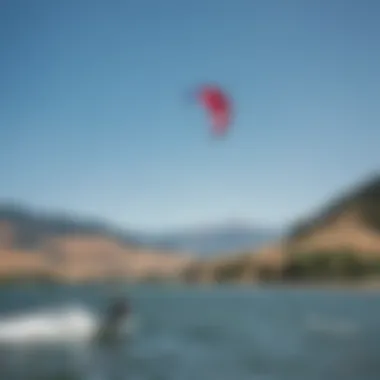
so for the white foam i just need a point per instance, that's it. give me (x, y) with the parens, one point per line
(70, 324)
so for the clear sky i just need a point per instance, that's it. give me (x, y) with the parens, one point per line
(96, 118)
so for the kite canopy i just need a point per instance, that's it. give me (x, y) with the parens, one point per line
(218, 107)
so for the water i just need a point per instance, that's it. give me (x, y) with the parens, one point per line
(208, 334)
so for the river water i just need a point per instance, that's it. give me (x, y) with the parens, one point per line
(220, 333)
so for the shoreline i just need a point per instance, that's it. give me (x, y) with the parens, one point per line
(365, 285)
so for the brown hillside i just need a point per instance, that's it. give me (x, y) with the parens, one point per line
(361, 203)
(347, 232)
(75, 256)
(350, 222)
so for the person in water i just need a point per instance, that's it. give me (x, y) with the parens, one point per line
(116, 314)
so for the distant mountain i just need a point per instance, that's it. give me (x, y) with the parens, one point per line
(216, 240)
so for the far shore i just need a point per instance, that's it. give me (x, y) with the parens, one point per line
(366, 284)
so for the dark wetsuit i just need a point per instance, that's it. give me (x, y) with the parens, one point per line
(116, 314)
(118, 309)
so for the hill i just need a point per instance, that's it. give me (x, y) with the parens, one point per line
(67, 248)
(350, 221)
(32, 228)
(340, 242)
(363, 202)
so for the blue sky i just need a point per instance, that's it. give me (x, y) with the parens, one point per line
(95, 115)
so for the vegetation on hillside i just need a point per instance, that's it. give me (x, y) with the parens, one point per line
(303, 267)
(330, 265)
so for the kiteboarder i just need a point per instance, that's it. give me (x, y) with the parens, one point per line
(115, 317)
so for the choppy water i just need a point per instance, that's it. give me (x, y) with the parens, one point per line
(210, 334)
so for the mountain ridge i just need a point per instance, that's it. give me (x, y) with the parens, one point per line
(33, 226)
(217, 239)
